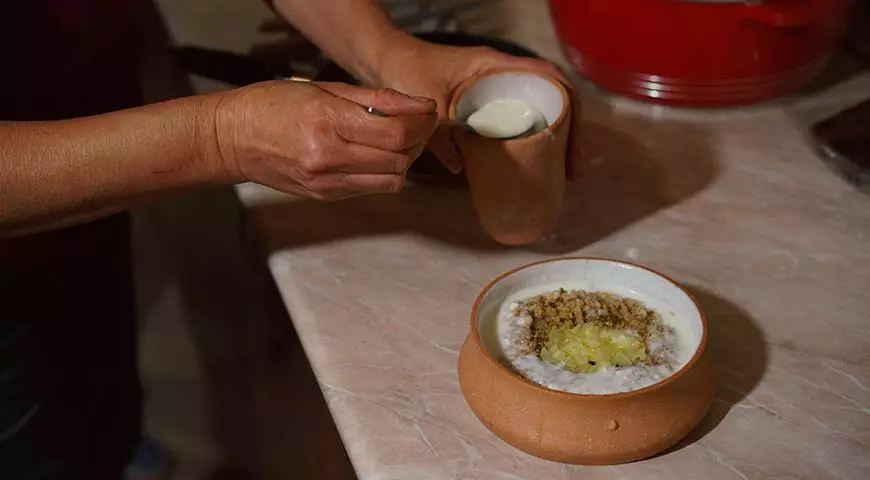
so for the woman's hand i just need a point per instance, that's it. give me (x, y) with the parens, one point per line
(434, 71)
(317, 139)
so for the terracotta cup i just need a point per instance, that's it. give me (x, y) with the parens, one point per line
(517, 184)
(587, 429)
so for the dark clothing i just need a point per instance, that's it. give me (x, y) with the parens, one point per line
(65, 49)
(69, 395)
(70, 399)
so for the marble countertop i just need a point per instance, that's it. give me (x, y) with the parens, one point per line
(734, 205)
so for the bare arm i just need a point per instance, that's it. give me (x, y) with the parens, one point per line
(57, 173)
(355, 33)
(360, 36)
(314, 140)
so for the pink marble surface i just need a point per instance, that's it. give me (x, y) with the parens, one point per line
(733, 205)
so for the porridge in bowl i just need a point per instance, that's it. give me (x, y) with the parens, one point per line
(553, 345)
(590, 342)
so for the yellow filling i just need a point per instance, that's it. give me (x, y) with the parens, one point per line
(588, 348)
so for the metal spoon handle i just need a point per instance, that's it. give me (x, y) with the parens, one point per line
(456, 123)
(450, 123)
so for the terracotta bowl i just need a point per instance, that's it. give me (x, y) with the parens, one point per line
(517, 184)
(587, 429)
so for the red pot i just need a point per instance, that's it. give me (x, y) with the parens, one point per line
(700, 52)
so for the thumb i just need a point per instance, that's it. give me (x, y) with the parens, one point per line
(385, 100)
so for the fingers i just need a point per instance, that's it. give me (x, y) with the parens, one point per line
(368, 183)
(302, 150)
(407, 122)
(443, 146)
(386, 100)
(356, 170)
(394, 133)
(354, 159)
(339, 186)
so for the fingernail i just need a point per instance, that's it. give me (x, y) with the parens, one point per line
(426, 101)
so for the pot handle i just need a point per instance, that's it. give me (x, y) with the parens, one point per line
(787, 13)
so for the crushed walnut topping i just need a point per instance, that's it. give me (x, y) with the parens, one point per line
(567, 309)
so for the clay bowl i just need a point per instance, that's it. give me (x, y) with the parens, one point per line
(518, 184)
(587, 429)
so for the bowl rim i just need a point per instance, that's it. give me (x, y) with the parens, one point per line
(475, 334)
(467, 84)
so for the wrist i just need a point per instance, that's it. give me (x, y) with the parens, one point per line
(215, 138)
(385, 55)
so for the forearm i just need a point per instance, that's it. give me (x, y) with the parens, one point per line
(57, 173)
(354, 33)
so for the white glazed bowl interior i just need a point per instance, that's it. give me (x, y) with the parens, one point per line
(592, 274)
(526, 87)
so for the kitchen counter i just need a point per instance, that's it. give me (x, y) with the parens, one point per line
(734, 205)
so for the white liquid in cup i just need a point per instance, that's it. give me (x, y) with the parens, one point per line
(506, 118)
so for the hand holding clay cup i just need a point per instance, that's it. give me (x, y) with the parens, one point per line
(517, 183)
